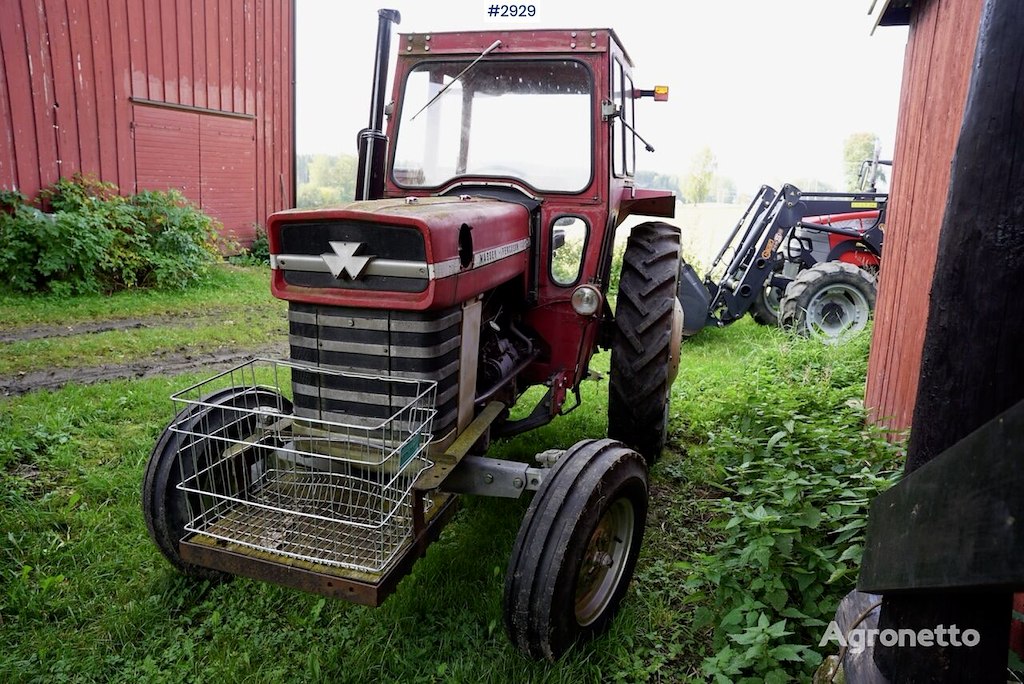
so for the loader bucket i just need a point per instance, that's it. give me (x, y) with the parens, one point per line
(694, 298)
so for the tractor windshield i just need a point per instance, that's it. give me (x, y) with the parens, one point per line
(529, 120)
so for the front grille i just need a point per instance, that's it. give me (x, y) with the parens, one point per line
(400, 344)
(394, 243)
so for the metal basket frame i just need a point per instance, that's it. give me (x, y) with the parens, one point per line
(323, 491)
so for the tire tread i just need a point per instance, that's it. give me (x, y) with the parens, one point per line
(538, 555)
(639, 377)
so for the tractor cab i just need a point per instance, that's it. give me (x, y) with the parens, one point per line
(544, 118)
(550, 112)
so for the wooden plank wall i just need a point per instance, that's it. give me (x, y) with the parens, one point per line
(69, 70)
(936, 74)
(167, 150)
(226, 173)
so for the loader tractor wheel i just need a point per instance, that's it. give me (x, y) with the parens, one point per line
(177, 454)
(830, 301)
(765, 308)
(645, 348)
(577, 547)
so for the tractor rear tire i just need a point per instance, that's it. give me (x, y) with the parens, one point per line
(644, 348)
(164, 506)
(577, 548)
(830, 301)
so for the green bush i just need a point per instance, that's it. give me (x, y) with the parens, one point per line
(260, 247)
(90, 239)
(257, 254)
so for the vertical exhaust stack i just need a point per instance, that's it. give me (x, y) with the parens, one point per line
(372, 142)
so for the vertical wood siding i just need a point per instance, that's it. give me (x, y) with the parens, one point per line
(167, 146)
(70, 71)
(936, 74)
(228, 172)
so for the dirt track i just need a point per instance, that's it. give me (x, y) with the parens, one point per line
(169, 362)
(188, 320)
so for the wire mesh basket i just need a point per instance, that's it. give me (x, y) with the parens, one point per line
(331, 492)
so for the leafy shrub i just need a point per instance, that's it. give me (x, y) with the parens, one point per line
(260, 247)
(566, 260)
(90, 239)
(798, 468)
(258, 252)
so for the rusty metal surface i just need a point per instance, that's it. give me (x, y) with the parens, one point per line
(432, 477)
(493, 477)
(473, 42)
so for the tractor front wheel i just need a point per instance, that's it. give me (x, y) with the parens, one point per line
(830, 301)
(766, 305)
(577, 548)
(165, 507)
(645, 348)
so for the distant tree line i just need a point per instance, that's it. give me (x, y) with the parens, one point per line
(701, 184)
(325, 179)
(857, 149)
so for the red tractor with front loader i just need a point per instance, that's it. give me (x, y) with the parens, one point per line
(473, 265)
(805, 260)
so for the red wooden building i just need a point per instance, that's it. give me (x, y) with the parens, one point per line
(152, 94)
(936, 73)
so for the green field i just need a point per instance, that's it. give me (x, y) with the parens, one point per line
(756, 514)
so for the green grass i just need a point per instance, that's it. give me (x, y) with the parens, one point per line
(85, 596)
(228, 288)
(233, 310)
(235, 330)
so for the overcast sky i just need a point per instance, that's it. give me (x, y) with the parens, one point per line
(772, 87)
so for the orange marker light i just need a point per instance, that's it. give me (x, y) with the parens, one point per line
(661, 93)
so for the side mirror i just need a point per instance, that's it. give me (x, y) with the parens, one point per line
(558, 238)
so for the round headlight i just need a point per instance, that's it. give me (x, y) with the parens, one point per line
(586, 300)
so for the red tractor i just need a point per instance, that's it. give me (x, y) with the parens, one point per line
(833, 261)
(830, 301)
(473, 266)
(805, 260)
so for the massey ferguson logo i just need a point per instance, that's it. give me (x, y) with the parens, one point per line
(345, 261)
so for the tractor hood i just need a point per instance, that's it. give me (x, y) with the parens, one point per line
(410, 253)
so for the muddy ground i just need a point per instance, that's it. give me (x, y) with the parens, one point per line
(168, 362)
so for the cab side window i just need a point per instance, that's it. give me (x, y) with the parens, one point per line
(568, 244)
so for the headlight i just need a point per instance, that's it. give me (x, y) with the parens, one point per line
(586, 300)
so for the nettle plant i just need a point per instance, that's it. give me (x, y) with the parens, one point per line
(798, 467)
(87, 238)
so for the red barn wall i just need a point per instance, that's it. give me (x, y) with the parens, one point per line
(936, 74)
(152, 94)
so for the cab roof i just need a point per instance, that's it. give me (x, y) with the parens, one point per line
(522, 41)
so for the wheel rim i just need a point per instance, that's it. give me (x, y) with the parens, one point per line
(773, 300)
(837, 311)
(604, 561)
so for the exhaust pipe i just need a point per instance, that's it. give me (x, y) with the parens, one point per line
(371, 141)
